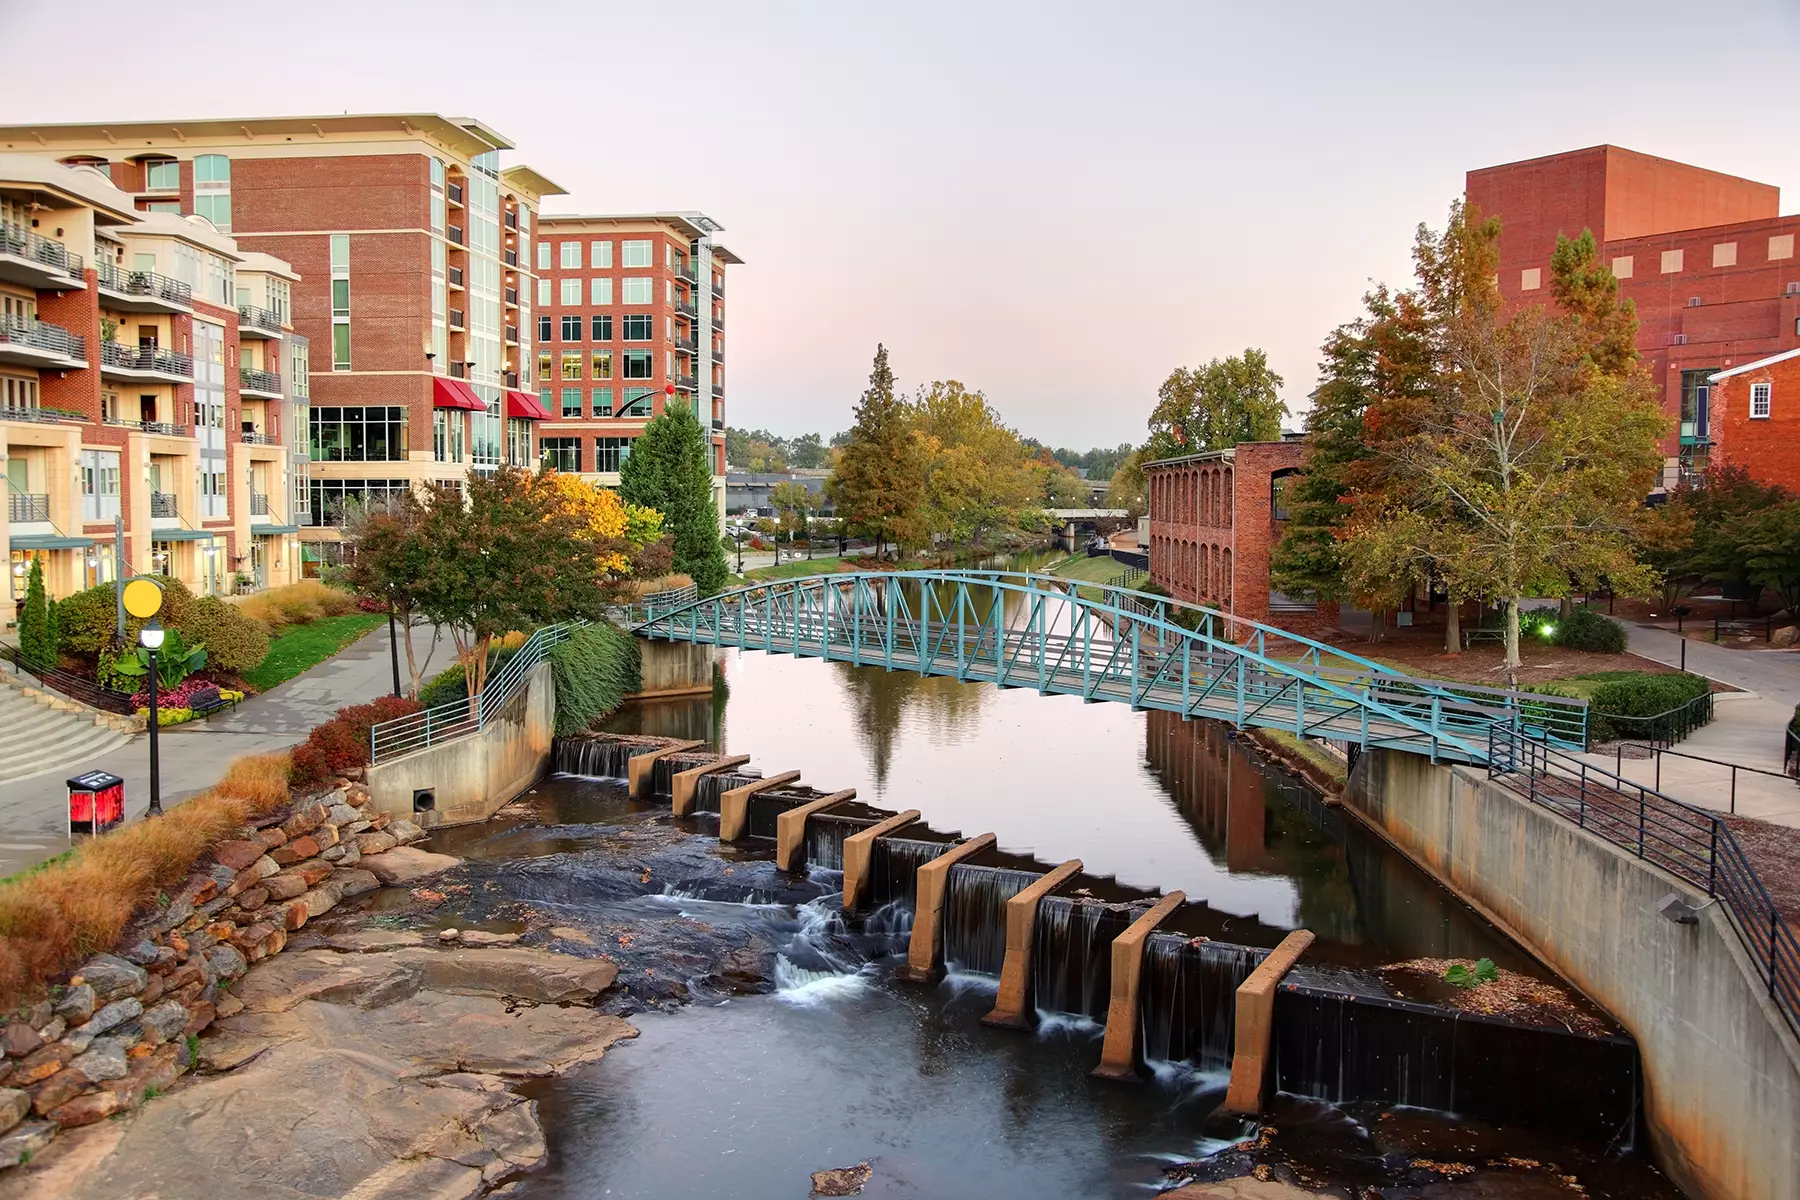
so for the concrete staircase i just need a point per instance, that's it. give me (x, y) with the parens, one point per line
(40, 732)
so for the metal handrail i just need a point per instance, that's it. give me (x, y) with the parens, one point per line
(259, 318)
(16, 239)
(146, 358)
(1656, 753)
(1678, 722)
(259, 381)
(42, 335)
(1691, 843)
(28, 506)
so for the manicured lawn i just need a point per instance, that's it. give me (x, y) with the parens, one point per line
(824, 564)
(1103, 569)
(308, 645)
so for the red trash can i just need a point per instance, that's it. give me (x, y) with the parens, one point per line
(96, 802)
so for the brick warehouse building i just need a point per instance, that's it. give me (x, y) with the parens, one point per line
(1705, 257)
(149, 374)
(1756, 412)
(1214, 518)
(416, 254)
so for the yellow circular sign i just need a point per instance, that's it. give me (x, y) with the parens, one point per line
(143, 599)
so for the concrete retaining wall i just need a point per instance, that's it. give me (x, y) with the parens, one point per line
(1721, 1068)
(674, 669)
(473, 776)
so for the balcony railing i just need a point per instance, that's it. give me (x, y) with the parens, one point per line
(686, 308)
(718, 389)
(15, 239)
(718, 424)
(686, 343)
(718, 287)
(510, 257)
(456, 277)
(718, 354)
(259, 381)
(165, 428)
(456, 318)
(511, 378)
(512, 335)
(162, 504)
(259, 504)
(259, 318)
(459, 370)
(686, 383)
(146, 358)
(512, 219)
(456, 235)
(143, 283)
(41, 335)
(512, 296)
(45, 416)
(685, 271)
(718, 322)
(251, 437)
(455, 193)
(28, 506)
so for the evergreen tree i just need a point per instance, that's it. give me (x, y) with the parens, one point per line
(35, 646)
(879, 484)
(670, 469)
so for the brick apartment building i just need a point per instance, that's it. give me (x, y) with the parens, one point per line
(631, 313)
(150, 374)
(1705, 257)
(1214, 518)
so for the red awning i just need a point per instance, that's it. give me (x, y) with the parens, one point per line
(525, 406)
(454, 393)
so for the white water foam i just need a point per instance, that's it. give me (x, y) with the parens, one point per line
(809, 989)
(1069, 1025)
(961, 983)
(1187, 1081)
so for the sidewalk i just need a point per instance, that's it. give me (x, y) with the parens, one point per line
(34, 813)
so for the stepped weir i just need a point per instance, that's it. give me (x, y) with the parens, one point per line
(1064, 946)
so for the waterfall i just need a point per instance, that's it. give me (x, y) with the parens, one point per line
(1187, 999)
(1071, 955)
(894, 868)
(709, 788)
(664, 770)
(592, 757)
(975, 915)
(825, 836)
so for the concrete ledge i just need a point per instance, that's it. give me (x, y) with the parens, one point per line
(790, 829)
(1015, 971)
(734, 806)
(683, 783)
(858, 847)
(1255, 1022)
(925, 950)
(1118, 1056)
(637, 767)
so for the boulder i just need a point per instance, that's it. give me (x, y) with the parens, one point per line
(238, 855)
(19, 1039)
(298, 850)
(271, 837)
(60, 1088)
(406, 832)
(111, 977)
(85, 1110)
(342, 814)
(404, 864)
(284, 886)
(144, 953)
(111, 1017)
(164, 1023)
(226, 962)
(354, 881)
(255, 873)
(55, 1029)
(1787, 635)
(38, 1067)
(104, 1060)
(313, 871)
(321, 899)
(326, 836)
(14, 1104)
(356, 827)
(202, 1013)
(25, 1141)
(255, 898)
(304, 820)
(375, 843)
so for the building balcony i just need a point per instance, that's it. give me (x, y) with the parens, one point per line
(718, 424)
(259, 504)
(27, 506)
(686, 344)
(259, 383)
(686, 383)
(40, 416)
(163, 504)
(40, 344)
(512, 297)
(456, 319)
(456, 278)
(160, 428)
(510, 257)
(718, 353)
(512, 335)
(684, 271)
(459, 370)
(254, 322)
(251, 437)
(142, 291)
(718, 287)
(511, 379)
(120, 361)
(512, 218)
(454, 194)
(718, 322)
(37, 262)
(686, 309)
(455, 236)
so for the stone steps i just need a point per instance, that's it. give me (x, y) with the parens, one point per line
(35, 738)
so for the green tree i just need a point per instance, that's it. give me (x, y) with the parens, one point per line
(36, 645)
(792, 502)
(807, 451)
(670, 470)
(1770, 543)
(1227, 401)
(978, 479)
(1127, 489)
(879, 483)
(391, 562)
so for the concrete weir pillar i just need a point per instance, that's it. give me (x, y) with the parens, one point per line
(1118, 1055)
(1255, 1022)
(790, 829)
(858, 847)
(1015, 970)
(637, 767)
(734, 806)
(926, 948)
(683, 783)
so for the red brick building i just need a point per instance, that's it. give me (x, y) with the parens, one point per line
(1706, 258)
(1214, 518)
(1756, 416)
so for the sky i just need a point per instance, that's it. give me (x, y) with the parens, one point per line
(1055, 203)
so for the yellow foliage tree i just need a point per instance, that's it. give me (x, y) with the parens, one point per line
(617, 528)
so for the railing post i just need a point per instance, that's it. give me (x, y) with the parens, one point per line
(1734, 788)
(1643, 809)
(1712, 859)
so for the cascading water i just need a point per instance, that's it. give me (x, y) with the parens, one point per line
(975, 915)
(815, 964)
(894, 868)
(592, 757)
(710, 787)
(1071, 956)
(1187, 999)
(825, 836)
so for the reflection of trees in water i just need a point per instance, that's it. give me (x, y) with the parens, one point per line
(693, 718)
(880, 700)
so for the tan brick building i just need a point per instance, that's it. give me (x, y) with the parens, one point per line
(150, 379)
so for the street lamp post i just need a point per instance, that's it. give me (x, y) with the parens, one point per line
(152, 638)
(394, 650)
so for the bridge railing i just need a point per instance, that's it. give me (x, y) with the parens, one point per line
(440, 723)
(1692, 843)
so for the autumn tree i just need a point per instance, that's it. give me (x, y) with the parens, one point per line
(879, 482)
(1127, 488)
(389, 561)
(625, 537)
(978, 478)
(1227, 401)
(792, 502)
(670, 470)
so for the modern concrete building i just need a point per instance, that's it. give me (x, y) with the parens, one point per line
(1706, 258)
(413, 248)
(150, 375)
(630, 317)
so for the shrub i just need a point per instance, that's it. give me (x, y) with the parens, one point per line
(342, 743)
(296, 604)
(35, 644)
(1584, 629)
(233, 641)
(86, 621)
(1636, 694)
(452, 684)
(594, 669)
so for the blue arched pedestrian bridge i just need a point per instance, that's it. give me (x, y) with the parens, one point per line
(1117, 645)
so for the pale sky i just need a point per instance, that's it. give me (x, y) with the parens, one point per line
(1055, 203)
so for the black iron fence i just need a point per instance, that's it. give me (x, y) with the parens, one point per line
(68, 683)
(1661, 729)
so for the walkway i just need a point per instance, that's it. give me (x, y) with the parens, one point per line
(34, 814)
(1746, 729)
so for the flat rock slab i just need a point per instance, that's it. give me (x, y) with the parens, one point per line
(404, 864)
(1246, 1188)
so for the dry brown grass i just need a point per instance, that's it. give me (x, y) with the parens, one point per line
(296, 604)
(53, 916)
(637, 589)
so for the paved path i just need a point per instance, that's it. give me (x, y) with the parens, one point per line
(33, 812)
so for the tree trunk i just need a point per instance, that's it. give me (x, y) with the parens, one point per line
(412, 661)
(1567, 608)
(1453, 626)
(1512, 641)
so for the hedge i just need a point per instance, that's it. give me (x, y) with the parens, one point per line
(1584, 629)
(594, 669)
(1637, 694)
(234, 643)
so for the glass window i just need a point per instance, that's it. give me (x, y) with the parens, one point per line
(571, 402)
(1760, 394)
(571, 255)
(212, 168)
(543, 259)
(602, 328)
(340, 252)
(544, 398)
(634, 254)
(376, 434)
(544, 365)
(571, 327)
(600, 290)
(571, 292)
(638, 365)
(571, 364)
(603, 398)
(599, 254)
(437, 173)
(544, 329)
(560, 453)
(340, 347)
(215, 207)
(603, 364)
(331, 496)
(637, 290)
(611, 452)
(543, 293)
(163, 176)
(170, 206)
(639, 327)
(637, 401)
